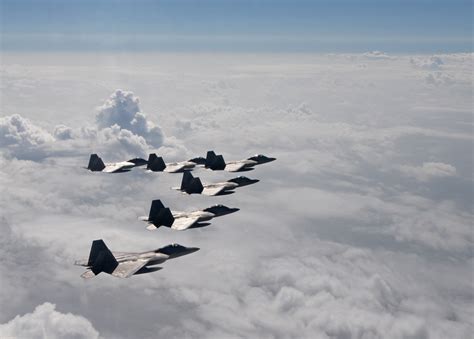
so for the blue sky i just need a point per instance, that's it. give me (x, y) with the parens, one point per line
(233, 26)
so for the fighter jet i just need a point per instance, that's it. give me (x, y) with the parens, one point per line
(176, 220)
(156, 164)
(190, 185)
(216, 162)
(124, 265)
(97, 165)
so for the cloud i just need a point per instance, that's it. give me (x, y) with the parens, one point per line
(16, 130)
(122, 109)
(121, 131)
(361, 228)
(46, 322)
(62, 132)
(429, 171)
(377, 55)
(21, 138)
(431, 63)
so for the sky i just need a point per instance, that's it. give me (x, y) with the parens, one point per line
(237, 26)
(362, 227)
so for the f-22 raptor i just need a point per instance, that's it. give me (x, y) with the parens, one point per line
(177, 220)
(126, 264)
(191, 185)
(157, 164)
(217, 162)
(97, 165)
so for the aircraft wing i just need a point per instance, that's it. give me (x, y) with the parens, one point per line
(128, 268)
(235, 166)
(174, 168)
(112, 168)
(213, 190)
(183, 223)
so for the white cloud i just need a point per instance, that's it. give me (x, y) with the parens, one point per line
(62, 132)
(46, 322)
(122, 109)
(16, 130)
(377, 55)
(431, 63)
(429, 171)
(336, 236)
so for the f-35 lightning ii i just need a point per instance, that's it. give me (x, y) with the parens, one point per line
(216, 162)
(124, 265)
(190, 185)
(157, 164)
(97, 165)
(177, 220)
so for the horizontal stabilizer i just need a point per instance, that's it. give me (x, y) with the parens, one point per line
(88, 274)
(151, 227)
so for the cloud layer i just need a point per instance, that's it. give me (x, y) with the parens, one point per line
(360, 229)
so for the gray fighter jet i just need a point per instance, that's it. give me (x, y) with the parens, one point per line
(97, 165)
(124, 265)
(216, 162)
(190, 185)
(177, 220)
(157, 164)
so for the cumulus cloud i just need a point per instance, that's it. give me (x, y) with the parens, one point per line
(46, 322)
(62, 132)
(429, 171)
(16, 130)
(431, 63)
(121, 130)
(122, 109)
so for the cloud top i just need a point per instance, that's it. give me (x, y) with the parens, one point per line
(122, 109)
(16, 130)
(46, 322)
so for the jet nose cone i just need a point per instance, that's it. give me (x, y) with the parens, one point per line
(232, 210)
(193, 249)
(271, 159)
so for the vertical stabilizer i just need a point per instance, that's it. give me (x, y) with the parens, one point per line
(155, 164)
(95, 163)
(100, 258)
(156, 206)
(186, 181)
(214, 162)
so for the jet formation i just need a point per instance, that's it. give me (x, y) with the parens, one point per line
(126, 264)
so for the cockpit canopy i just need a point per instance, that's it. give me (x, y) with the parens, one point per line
(220, 210)
(172, 249)
(243, 181)
(261, 159)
